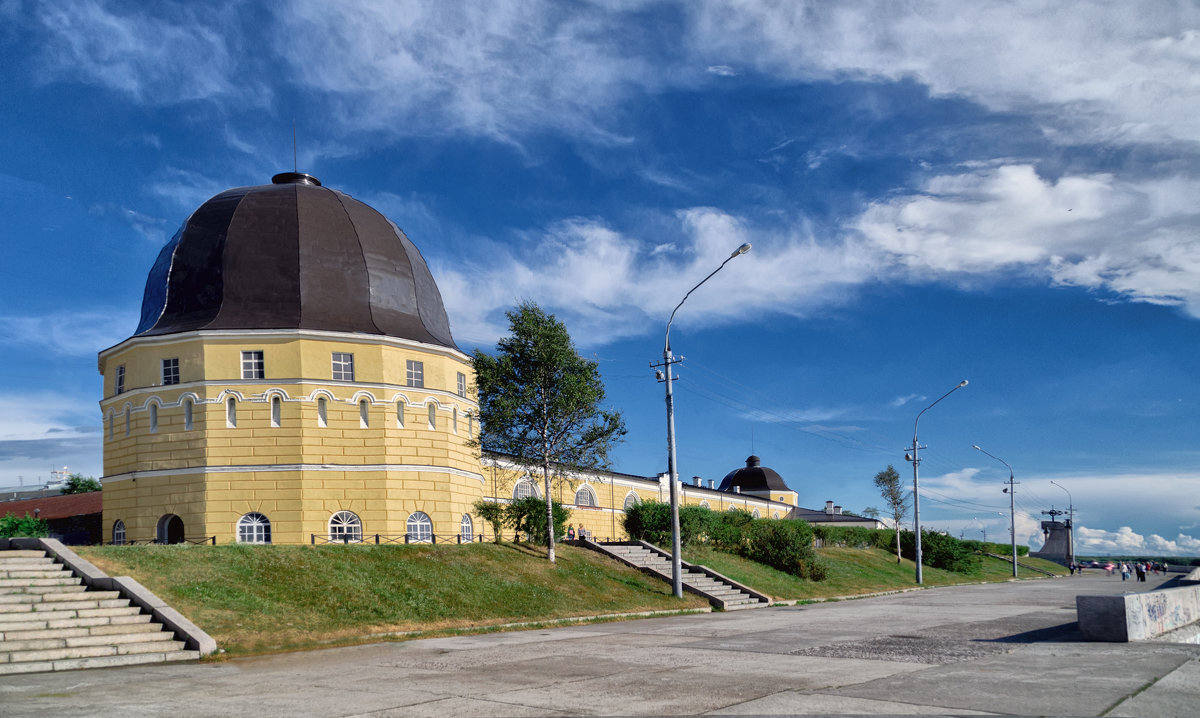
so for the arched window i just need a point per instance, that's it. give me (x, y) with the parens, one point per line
(454, 426)
(400, 415)
(420, 528)
(524, 489)
(111, 422)
(154, 418)
(127, 421)
(432, 416)
(276, 412)
(585, 496)
(755, 514)
(364, 414)
(322, 412)
(118, 532)
(187, 415)
(467, 529)
(470, 426)
(775, 515)
(704, 505)
(231, 413)
(254, 528)
(345, 526)
(631, 500)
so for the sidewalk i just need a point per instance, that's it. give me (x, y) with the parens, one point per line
(1009, 649)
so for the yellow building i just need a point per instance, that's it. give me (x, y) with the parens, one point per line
(293, 379)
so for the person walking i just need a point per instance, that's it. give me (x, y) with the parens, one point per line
(1140, 568)
(1124, 571)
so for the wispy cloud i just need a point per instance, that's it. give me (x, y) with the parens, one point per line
(68, 333)
(902, 400)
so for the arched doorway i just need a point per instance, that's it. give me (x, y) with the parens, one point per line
(170, 529)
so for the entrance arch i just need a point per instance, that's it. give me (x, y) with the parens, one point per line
(170, 529)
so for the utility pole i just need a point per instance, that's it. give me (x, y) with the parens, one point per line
(1012, 506)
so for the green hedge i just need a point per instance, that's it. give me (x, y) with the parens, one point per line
(26, 526)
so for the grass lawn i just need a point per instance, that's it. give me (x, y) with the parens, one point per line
(852, 572)
(270, 598)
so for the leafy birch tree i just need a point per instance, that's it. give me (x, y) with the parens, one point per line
(540, 402)
(888, 482)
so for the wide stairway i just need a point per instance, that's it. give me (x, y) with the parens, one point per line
(721, 592)
(50, 621)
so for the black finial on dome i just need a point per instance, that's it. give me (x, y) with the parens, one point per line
(295, 178)
(753, 461)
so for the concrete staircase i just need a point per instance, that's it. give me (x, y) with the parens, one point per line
(51, 621)
(721, 592)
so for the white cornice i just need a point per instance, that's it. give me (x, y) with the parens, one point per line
(261, 468)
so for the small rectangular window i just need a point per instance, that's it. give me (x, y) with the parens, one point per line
(343, 366)
(462, 385)
(416, 374)
(120, 383)
(170, 371)
(252, 365)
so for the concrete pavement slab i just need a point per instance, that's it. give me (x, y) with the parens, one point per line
(1175, 695)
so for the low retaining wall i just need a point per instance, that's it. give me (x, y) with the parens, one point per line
(1138, 616)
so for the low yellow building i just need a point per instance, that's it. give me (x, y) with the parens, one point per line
(293, 379)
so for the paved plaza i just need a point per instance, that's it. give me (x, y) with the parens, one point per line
(1008, 649)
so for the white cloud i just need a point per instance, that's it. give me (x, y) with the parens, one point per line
(143, 54)
(70, 333)
(1126, 541)
(1088, 70)
(721, 70)
(1132, 238)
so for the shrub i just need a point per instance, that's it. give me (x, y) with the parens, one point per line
(727, 530)
(528, 516)
(26, 526)
(650, 521)
(493, 514)
(784, 544)
(941, 551)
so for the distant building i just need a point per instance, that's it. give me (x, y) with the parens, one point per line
(74, 519)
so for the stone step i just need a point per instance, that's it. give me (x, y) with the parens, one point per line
(28, 573)
(76, 587)
(76, 604)
(61, 613)
(72, 664)
(25, 562)
(120, 649)
(107, 629)
(38, 622)
(21, 553)
(65, 579)
(17, 647)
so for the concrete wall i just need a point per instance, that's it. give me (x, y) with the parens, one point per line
(1137, 616)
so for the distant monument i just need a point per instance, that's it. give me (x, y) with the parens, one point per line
(1057, 547)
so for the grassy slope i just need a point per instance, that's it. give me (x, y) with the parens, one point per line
(260, 598)
(851, 572)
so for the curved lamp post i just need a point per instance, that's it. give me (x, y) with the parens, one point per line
(672, 472)
(915, 459)
(1071, 524)
(1012, 506)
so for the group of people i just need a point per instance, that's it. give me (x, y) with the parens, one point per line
(1127, 569)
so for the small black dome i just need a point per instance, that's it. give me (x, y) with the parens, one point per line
(292, 255)
(753, 477)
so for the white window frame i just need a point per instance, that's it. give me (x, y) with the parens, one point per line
(118, 532)
(517, 489)
(343, 366)
(254, 365)
(188, 408)
(414, 373)
(466, 529)
(400, 415)
(254, 528)
(343, 524)
(231, 412)
(419, 528)
(170, 371)
(631, 500)
(322, 412)
(119, 381)
(276, 412)
(432, 416)
(364, 414)
(589, 496)
(462, 385)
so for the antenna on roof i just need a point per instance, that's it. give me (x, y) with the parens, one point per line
(295, 164)
(752, 440)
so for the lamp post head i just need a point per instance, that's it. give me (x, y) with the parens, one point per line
(976, 447)
(740, 250)
(961, 384)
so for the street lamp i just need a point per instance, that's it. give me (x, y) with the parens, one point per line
(1070, 521)
(1012, 506)
(672, 473)
(915, 459)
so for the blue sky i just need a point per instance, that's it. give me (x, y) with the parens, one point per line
(998, 192)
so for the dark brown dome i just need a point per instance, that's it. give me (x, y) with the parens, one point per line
(292, 255)
(753, 477)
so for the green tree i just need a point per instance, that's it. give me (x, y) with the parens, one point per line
(540, 402)
(493, 513)
(888, 483)
(80, 484)
(871, 512)
(12, 525)
(528, 516)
